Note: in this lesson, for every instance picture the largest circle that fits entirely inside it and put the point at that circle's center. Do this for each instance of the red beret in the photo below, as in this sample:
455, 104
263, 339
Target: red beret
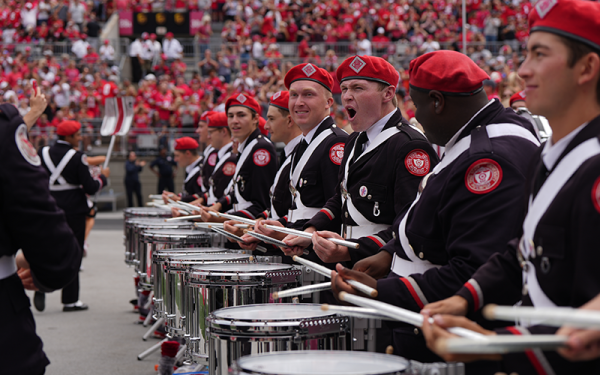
449, 72
574, 19
517, 97
281, 100
67, 128
243, 100
308, 72
204, 116
217, 120
261, 125
368, 68
169, 34
186, 143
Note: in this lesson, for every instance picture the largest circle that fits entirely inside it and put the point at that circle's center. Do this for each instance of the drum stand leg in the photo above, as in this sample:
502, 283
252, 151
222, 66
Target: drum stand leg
180, 353
151, 350
154, 327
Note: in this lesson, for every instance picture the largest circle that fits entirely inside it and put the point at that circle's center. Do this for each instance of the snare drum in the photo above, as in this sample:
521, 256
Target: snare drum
159, 270
160, 239
133, 227
146, 212
174, 275
253, 329
326, 362
216, 286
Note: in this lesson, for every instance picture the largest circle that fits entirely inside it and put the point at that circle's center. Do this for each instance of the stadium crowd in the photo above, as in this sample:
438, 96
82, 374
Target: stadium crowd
171, 94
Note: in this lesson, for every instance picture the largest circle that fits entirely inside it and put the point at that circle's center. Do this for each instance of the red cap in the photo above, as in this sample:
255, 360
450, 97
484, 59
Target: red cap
204, 116
577, 20
217, 120
520, 96
368, 68
67, 128
281, 100
449, 72
106, 41
261, 126
169, 34
308, 72
243, 100
186, 143
83, 36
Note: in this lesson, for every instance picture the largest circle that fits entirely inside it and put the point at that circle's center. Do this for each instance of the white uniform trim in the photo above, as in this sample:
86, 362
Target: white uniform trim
302, 212
241, 204
57, 170
403, 267
538, 207
212, 198
287, 161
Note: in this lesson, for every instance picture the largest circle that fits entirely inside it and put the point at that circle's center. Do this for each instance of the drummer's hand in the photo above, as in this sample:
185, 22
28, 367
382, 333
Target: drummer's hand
198, 202
260, 228
229, 227
294, 249
583, 344
175, 212
455, 305
377, 266
436, 334
215, 207
26, 279
338, 283
21, 261
327, 250
166, 195
250, 243
206, 217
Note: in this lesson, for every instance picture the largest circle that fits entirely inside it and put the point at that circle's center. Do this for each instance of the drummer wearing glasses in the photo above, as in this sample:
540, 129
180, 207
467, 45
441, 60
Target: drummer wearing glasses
553, 260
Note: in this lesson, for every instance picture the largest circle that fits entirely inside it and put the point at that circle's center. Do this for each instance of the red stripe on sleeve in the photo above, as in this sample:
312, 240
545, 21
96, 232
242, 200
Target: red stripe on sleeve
475, 296
375, 240
413, 293
328, 214
530, 354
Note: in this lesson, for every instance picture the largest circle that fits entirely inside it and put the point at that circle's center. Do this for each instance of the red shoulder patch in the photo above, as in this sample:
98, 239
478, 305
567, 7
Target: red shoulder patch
483, 176
336, 153
261, 157
596, 194
417, 163
212, 159
229, 168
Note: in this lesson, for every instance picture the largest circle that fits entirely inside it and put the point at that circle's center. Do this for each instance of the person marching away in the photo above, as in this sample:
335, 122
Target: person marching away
162, 167
133, 167
70, 181
247, 194
369, 197
282, 129
553, 260
50, 255
468, 205
316, 160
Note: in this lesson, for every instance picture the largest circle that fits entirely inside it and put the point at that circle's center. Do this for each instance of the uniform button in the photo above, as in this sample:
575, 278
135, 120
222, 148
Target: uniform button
369, 196
421, 255
346, 214
416, 331
540, 251
305, 181
394, 234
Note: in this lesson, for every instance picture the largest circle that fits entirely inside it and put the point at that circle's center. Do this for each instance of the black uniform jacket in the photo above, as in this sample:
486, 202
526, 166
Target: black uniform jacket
193, 186
465, 214
254, 179
220, 178
29, 220
77, 172
380, 184
566, 259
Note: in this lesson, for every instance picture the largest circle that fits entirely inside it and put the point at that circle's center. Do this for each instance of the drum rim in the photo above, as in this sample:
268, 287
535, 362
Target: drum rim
284, 268
213, 318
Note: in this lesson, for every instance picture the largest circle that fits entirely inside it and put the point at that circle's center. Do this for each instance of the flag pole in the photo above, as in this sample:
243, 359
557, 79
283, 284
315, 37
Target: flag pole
110, 148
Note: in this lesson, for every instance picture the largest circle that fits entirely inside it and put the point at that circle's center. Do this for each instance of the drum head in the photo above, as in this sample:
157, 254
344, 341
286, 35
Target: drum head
314, 362
147, 211
178, 259
272, 312
183, 251
232, 269
173, 233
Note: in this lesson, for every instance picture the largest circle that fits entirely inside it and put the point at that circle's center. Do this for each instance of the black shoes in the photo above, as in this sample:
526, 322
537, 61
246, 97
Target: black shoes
78, 306
39, 301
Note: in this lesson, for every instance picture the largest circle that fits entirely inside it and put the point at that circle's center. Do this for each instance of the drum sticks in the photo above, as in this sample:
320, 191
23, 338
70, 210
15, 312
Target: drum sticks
235, 238
302, 290
298, 233
557, 316
404, 315
327, 273
501, 344
357, 312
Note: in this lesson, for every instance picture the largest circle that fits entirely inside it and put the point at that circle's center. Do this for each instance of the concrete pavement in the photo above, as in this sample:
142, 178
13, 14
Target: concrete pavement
104, 339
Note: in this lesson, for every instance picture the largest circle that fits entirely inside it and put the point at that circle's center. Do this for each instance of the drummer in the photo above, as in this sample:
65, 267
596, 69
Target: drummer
382, 137
556, 261
186, 156
316, 160
219, 136
247, 195
462, 215
282, 129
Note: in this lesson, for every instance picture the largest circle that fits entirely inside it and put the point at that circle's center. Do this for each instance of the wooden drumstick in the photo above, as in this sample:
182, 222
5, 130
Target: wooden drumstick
337, 241
500, 344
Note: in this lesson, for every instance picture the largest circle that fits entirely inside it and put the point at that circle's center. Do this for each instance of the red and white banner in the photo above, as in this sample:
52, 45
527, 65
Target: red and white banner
118, 116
